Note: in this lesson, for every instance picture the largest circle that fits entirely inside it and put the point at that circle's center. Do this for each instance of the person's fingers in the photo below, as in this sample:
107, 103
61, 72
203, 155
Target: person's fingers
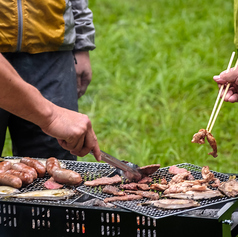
233, 98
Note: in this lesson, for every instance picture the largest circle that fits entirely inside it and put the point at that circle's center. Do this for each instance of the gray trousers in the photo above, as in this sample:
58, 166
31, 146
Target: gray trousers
53, 74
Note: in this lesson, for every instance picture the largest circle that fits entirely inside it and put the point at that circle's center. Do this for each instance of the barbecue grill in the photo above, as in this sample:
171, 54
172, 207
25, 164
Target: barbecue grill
19, 217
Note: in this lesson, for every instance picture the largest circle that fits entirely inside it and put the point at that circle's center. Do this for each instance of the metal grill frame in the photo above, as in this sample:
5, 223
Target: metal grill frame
154, 212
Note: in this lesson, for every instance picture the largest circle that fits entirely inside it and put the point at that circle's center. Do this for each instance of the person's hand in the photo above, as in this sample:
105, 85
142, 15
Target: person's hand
73, 131
229, 77
83, 71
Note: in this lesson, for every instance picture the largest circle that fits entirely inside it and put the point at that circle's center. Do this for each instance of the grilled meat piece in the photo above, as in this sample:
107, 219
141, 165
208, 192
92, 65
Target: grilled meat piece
185, 186
66, 176
195, 195
104, 181
180, 177
135, 186
213, 144
145, 180
148, 169
26, 178
123, 198
176, 170
199, 137
207, 174
51, 184
172, 203
146, 194
229, 188
159, 187
113, 190
51, 164
5, 165
37, 165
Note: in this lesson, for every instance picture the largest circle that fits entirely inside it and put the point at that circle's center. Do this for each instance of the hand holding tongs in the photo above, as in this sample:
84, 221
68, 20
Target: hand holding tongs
129, 172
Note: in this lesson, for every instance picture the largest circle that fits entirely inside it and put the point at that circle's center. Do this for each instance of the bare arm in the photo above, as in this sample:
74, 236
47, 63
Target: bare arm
73, 130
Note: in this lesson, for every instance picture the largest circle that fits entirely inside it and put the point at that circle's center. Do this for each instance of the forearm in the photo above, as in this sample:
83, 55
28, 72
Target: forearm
22, 99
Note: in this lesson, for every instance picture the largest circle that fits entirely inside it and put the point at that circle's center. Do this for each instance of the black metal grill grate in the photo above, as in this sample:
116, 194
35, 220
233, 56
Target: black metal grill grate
88, 170
154, 212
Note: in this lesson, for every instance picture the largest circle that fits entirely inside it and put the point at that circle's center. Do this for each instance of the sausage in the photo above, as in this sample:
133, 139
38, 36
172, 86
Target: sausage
5, 165
51, 164
37, 165
10, 180
26, 178
25, 168
65, 176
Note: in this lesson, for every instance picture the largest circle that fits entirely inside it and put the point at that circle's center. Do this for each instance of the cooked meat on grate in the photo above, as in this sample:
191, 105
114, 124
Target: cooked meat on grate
145, 180
172, 203
195, 195
65, 176
51, 164
5, 165
176, 170
229, 188
26, 178
113, 190
159, 187
163, 181
123, 198
25, 168
216, 183
104, 181
37, 165
51, 184
148, 169
185, 186
135, 186
10, 180
180, 177
146, 194
207, 174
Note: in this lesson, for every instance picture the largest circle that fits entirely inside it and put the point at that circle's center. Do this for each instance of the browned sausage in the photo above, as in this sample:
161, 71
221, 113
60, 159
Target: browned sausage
51, 164
10, 180
26, 178
5, 165
25, 168
37, 165
65, 176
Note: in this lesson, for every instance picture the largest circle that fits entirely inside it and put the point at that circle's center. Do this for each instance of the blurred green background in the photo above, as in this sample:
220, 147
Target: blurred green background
152, 85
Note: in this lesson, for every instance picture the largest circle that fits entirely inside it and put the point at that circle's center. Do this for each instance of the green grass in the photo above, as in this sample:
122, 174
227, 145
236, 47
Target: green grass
152, 86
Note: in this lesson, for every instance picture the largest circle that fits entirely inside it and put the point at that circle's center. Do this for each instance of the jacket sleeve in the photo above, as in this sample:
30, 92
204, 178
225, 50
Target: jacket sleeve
85, 31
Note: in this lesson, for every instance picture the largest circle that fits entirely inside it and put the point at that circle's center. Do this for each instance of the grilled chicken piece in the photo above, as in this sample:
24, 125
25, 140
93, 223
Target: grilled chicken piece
200, 139
172, 203
213, 144
195, 195
200, 136
207, 174
229, 188
159, 187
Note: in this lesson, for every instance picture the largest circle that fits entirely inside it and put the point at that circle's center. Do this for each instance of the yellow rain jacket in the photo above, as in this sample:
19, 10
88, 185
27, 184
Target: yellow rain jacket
47, 25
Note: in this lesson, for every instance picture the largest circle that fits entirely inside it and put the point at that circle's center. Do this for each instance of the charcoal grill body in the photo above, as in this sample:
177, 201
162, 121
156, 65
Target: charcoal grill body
27, 220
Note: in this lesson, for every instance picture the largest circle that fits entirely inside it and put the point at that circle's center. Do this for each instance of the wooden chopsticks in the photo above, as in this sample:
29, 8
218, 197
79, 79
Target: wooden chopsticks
215, 109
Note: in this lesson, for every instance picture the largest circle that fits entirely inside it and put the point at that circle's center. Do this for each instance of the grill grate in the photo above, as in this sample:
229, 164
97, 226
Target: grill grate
154, 212
88, 170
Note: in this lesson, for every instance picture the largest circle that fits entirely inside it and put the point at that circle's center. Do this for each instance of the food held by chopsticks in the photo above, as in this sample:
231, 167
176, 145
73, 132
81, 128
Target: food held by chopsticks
200, 139
202, 133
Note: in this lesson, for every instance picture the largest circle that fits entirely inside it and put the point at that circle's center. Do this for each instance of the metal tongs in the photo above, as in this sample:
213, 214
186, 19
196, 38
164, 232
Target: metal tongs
130, 173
